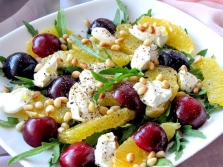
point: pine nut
(65, 36)
(199, 85)
(115, 108)
(151, 29)
(49, 102)
(158, 32)
(5, 89)
(152, 154)
(69, 40)
(197, 59)
(92, 107)
(143, 80)
(74, 62)
(49, 109)
(115, 47)
(160, 154)
(38, 59)
(180, 94)
(62, 40)
(67, 117)
(84, 65)
(63, 47)
(39, 105)
(65, 125)
(147, 42)
(151, 66)
(133, 78)
(100, 85)
(38, 67)
(156, 62)
(19, 126)
(142, 164)
(103, 110)
(130, 157)
(70, 57)
(87, 23)
(28, 107)
(184, 68)
(142, 90)
(104, 44)
(119, 41)
(195, 90)
(165, 84)
(123, 33)
(64, 99)
(151, 161)
(75, 74)
(109, 63)
(141, 27)
(36, 94)
(85, 41)
(159, 77)
(57, 102)
(146, 25)
(60, 129)
(110, 111)
(93, 39)
(60, 62)
(135, 165)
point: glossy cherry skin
(79, 154)
(38, 130)
(151, 137)
(45, 44)
(60, 87)
(127, 96)
(189, 111)
(19, 64)
(103, 23)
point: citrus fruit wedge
(213, 80)
(177, 36)
(170, 129)
(124, 149)
(85, 129)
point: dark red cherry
(45, 44)
(38, 130)
(189, 111)
(79, 154)
(151, 137)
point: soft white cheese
(155, 95)
(47, 73)
(187, 81)
(102, 34)
(105, 150)
(143, 55)
(143, 35)
(14, 101)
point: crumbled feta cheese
(102, 34)
(143, 55)
(47, 73)
(187, 81)
(105, 150)
(155, 95)
(143, 35)
(19, 97)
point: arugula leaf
(211, 108)
(31, 29)
(123, 8)
(11, 122)
(2, 59)
(166, 117)
(187, 129)
(86, 49)
(45, 146)
(127, 131)
(55, 156)
(69, 70)
(117, 69)
(179, 153)
(202, 52)
(185, 30)
(1, 72)
(163, 162)
(149, 13)
(61, 23)
(197, 73)
(117, 19)
(25, 80)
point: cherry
(189, 111)
(38, 130)
(151, 137)
(60, 87)
(45, 44)
(127, 96)
(103, 23)
(19, 64)
(79, 154)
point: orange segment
(177, 37)
(129, 146)
(213, 80)
(170, 129)
(85, 129)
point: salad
(125, 84)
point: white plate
(12, 141)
